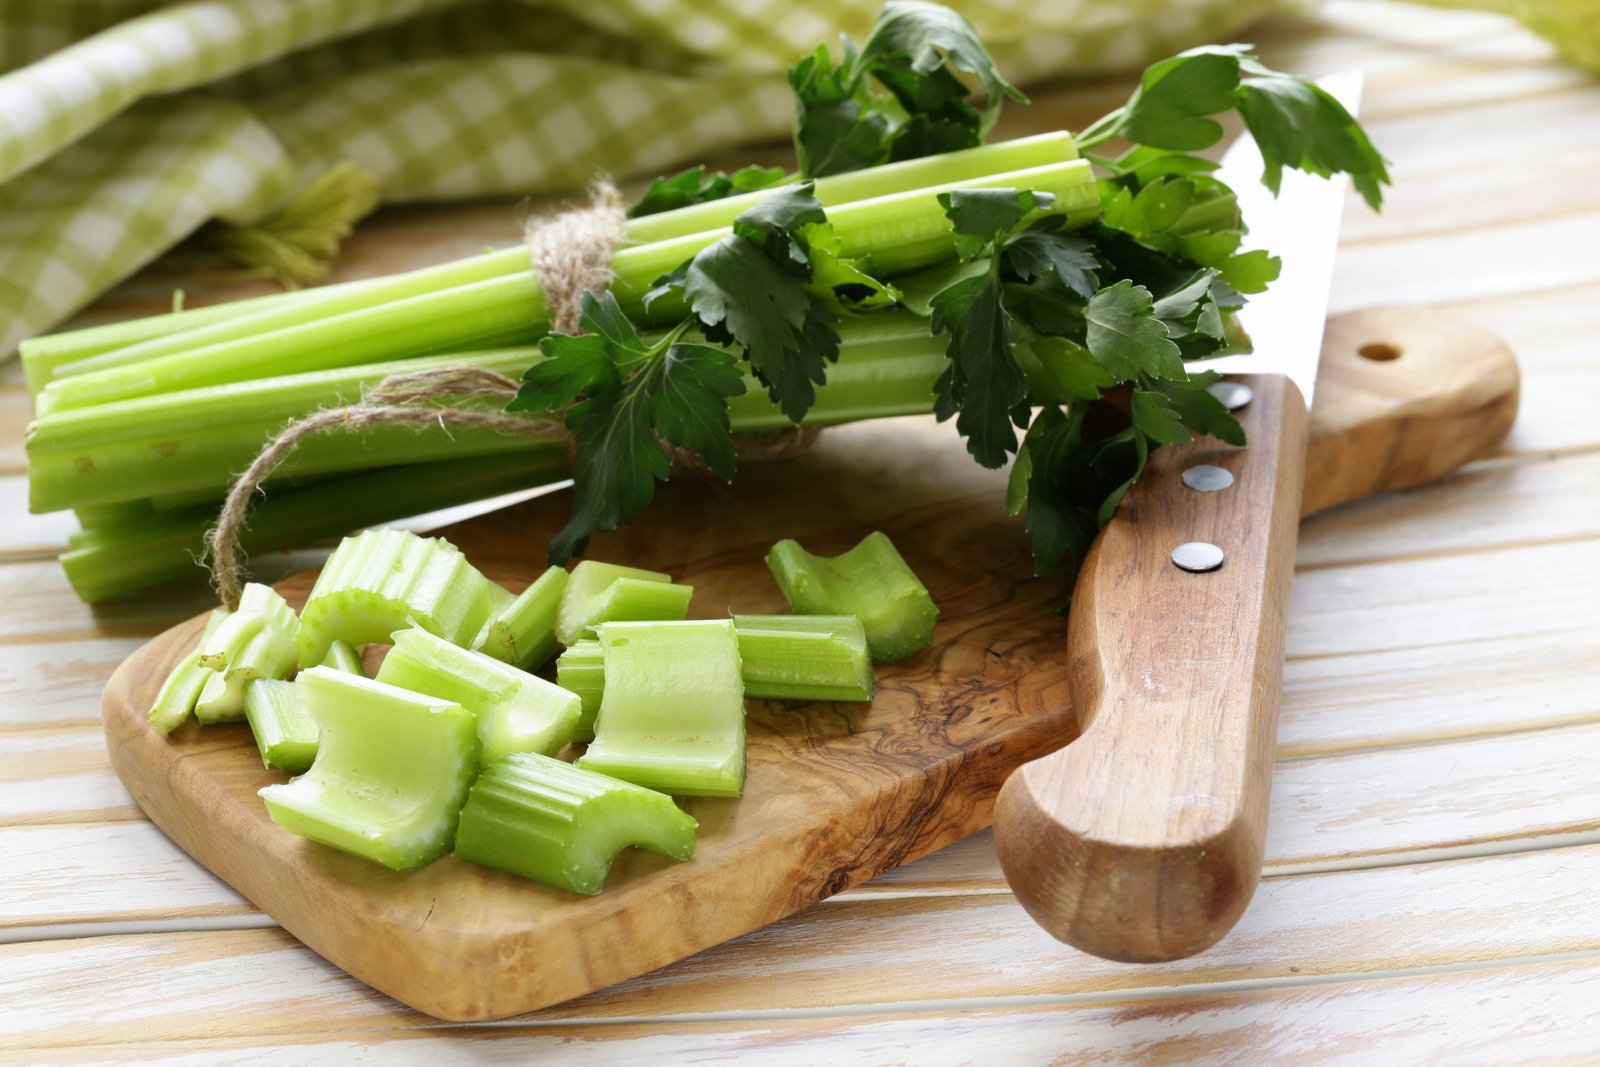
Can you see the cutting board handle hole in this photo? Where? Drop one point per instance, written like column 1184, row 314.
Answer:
column 1379, row 352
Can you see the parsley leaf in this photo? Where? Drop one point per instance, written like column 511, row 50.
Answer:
column 1059, row 530
column 754, row 288
column 982, row 217
column 984, row 387
column 1296, row 123
column 1127, row 338
column 1042, row 249
column 842, row 124
column 621, row 396
column 697, row 186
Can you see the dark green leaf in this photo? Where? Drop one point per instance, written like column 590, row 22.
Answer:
column 1199, row 410
column 1298, row 124
column 1155, row 419
column 698, row 186
column 981, row 217
column 1069, row 256
column 1072, row 368
column 984, row 384
column 691, row 402
column 618, row 463
column 1127, row 338
column 1174, row 95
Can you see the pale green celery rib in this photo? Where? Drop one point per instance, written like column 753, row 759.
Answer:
column 586, row 586
column 524, row 633
column 116, row 561
column 391, row 773
column 672, row 717
column 516, row 711
column 42, row 356
column 558, row 824
column 871, row 581
column 343, row 656
column 198, row 440
column 256, row 641
column 888, row 234
column 285, row 734
column 382, row 580
column 162, row 335
column 804, row 657
column 782, row 657
column 182, row 687
column 581, row 669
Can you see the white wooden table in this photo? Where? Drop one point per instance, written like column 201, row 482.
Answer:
column 1434, row 852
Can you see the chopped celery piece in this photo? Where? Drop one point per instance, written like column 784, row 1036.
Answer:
column 584, row 599
column 524, row 633
column 182, row 688
column 804, row 657
column 784, row 657
column 555, row 823
column 391, row 773
column 672, row 717
column 382, row 580
column 581, row 669
column 257, row 641
column 285, row 734
column 343, row 656
column 871, row 582
column 516, row 711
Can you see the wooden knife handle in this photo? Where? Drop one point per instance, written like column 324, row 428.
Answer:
column 1143, row 840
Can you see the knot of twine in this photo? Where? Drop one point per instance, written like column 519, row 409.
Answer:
column 572, row 253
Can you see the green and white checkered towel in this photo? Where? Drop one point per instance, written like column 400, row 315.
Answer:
column 127, row 124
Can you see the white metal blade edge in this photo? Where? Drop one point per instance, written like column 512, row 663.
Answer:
column 1301, row 226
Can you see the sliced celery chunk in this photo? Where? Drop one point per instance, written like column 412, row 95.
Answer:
column 257, row 641
column 343, row 656
column 672, row 717
column 182, row 687
column 516, row 711
column 581, row 669
column 391, row 772
column 871, row 581
column 382, row 580
column 524, row 633
column 804, row 657
column 285, row 734
column 561, row 825
column 592, row 597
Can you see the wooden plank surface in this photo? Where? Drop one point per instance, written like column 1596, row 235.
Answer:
column 1440, row 700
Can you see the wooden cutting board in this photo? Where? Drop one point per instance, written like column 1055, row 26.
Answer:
column 837, row 793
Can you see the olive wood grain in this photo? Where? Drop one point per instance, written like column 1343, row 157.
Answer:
column 837, row 793
column 1142, row 841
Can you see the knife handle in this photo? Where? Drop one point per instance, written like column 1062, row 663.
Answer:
column 1143, row 840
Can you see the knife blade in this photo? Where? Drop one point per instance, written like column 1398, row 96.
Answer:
column 1143, row 840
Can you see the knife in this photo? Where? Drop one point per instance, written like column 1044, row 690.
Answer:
column 1143, row 840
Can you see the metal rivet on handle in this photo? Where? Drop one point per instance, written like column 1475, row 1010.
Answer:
column 1204, row 478
column 1197, row 557
column 1234, row 395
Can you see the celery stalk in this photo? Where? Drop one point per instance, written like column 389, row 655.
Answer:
column 584, row 601
column 382, row 580
column 285, row 734
column 672, row 717
column 182, row 687
column 889, row 234
column 516, row 711
column 549, row 821
column 391, row 772
column 343, row 656
column 524, row 634
column 804, row 657
column 871, row 581
column 125, row 558
column 256, row 641
column 581, row 669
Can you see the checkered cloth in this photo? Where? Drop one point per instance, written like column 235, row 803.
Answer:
column 127, row 124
